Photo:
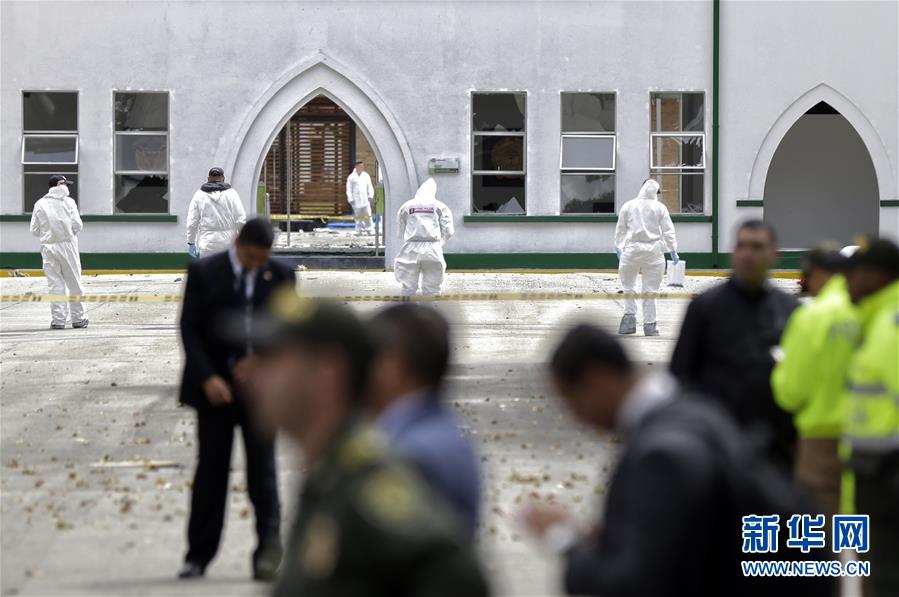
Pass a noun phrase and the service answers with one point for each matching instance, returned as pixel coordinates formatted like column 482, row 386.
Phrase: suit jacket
column 724, row 352
column 426, row 433
column 210, row 301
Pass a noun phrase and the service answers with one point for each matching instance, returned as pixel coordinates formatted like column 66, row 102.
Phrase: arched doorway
column 821, row 184
column 322, row 75
column 304, row 178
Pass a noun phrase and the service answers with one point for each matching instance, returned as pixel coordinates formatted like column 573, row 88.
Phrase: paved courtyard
column 97, row 458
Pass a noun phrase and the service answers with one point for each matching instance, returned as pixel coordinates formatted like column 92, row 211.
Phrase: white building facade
column 554, row 112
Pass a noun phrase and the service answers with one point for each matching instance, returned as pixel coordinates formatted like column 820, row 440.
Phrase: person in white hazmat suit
column 642, row 237
column 425, row 224
column 55, row 220
column 214, row 217
column 359, row 194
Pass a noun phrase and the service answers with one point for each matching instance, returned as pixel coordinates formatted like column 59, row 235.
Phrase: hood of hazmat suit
column 214, row 218
column 644, row 225
column 55, row 217
column 425, row 224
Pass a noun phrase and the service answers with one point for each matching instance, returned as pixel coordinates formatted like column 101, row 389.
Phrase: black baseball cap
column 879, row 253
column 827, row 257
column 56, row 179
column 216, row 171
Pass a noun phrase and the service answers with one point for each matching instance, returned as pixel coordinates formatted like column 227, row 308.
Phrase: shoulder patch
column 391, row 498
column 319, row 550
column 361, row 448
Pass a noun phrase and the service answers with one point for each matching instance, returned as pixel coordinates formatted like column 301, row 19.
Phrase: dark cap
column 824, row 257
column 292, row 319
column 877, row 253
column 216, row 171
column 56, row 179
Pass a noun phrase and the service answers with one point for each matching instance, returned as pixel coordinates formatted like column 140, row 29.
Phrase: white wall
column 422, row 60
column 773, row 54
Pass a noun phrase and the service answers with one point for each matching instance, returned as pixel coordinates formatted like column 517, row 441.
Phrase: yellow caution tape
column 373, row 298
column 293, row 217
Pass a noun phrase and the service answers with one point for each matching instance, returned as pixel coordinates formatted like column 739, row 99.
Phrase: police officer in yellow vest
column 872, row 425
column 810, row 377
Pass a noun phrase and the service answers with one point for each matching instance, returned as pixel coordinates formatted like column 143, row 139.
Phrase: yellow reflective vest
column 816, row 349
column 872, row 425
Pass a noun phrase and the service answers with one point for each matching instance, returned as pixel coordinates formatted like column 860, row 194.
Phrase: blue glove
column 193, row 250
column 674, row 258
column 618, row 253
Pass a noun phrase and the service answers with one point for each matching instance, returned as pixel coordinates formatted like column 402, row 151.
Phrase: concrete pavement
column 82, row 410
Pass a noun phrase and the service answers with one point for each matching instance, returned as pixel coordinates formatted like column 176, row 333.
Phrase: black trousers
column 215, row 436
column 877, row 495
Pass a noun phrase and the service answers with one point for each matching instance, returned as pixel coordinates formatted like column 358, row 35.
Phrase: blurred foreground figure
column 56, row 222
column 672, row 519
column 725, row 346
column 810, row 379
column 239, row 280
column 643, row 235
column 214, row 217
column 425, row 224
column 406, row 395
column 872, row 426
column 366, row 524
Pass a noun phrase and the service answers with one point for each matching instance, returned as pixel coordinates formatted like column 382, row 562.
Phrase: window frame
column 613, row 172
column 26, row 136
column 681, row 171
column 168, row 149
column 475, row 134
column 653, row 136
column 612, row 136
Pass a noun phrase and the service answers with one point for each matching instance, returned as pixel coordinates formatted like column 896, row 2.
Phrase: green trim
column 577, row 218
column 889, row 203
column 130, row 218
column 750, row 203
column 716, row 67
column 101, row 218
column 537, row 261
column 146, row 261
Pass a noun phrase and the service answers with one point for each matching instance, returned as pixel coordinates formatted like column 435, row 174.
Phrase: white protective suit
column 425, row 225
column 55, row 220
column 214, row 218
column 644, row 234
column 359, row 193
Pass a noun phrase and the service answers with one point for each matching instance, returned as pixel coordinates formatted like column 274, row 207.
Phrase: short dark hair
column 825, row 258
column 587, row 346
column 257, row 232
column 420, row 334
column 756, row 224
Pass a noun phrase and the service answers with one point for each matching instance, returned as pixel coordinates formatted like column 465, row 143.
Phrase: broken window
column 677, row 149
column 141, row 152
column 587, row 153
column 49, row 142
column 498, row 153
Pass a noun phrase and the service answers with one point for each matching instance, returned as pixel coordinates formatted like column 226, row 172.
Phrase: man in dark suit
column 405, row 392
column 672, row 519
column 224, row 286
column 727, row 340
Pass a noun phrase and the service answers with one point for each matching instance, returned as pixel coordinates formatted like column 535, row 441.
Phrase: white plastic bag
column 677, row 272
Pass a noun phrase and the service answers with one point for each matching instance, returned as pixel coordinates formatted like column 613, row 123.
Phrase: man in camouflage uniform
column 367, row 524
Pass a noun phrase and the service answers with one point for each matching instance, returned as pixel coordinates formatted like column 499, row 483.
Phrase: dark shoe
column 80, row 324
column 628, row 325
column 192, row 570
column 57, row 326
column 267, row 564
column 650, row 329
